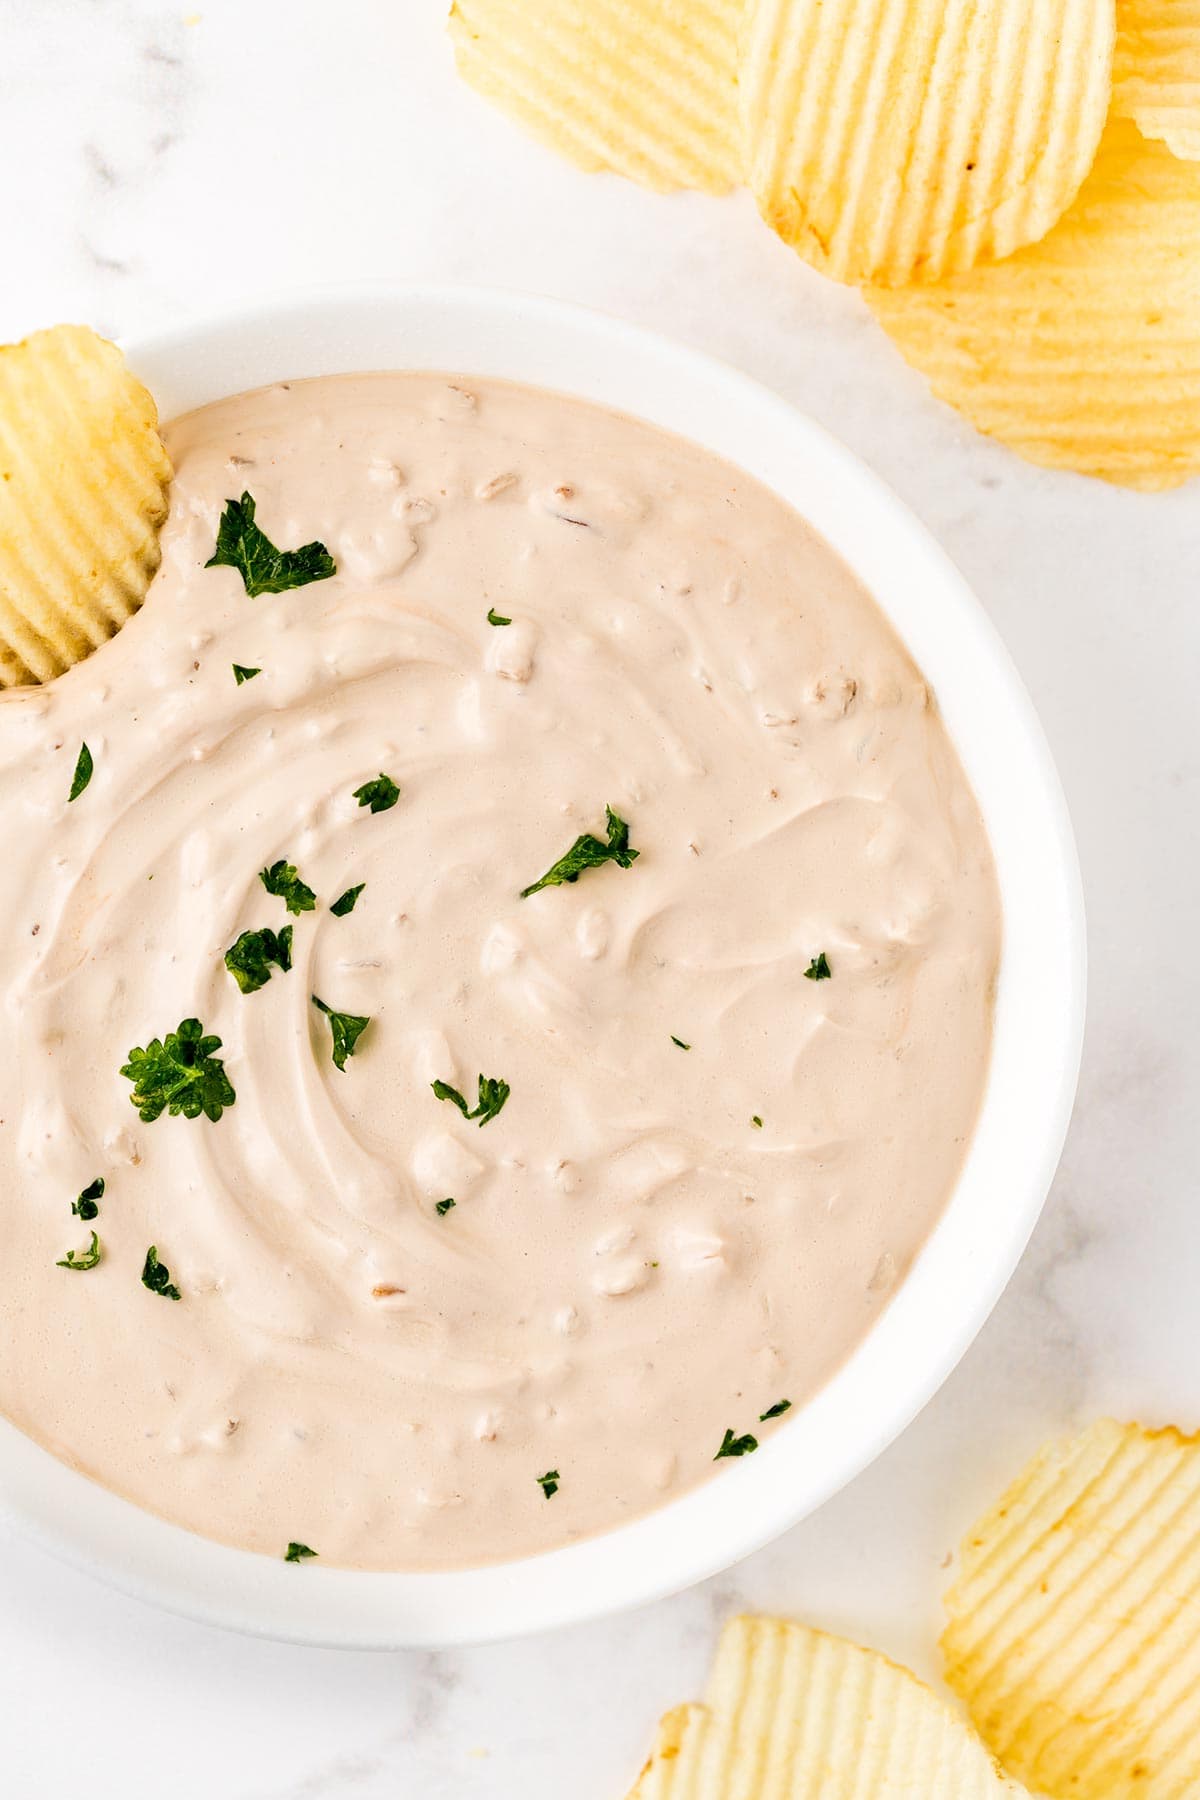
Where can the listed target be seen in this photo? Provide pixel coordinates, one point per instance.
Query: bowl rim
(969, 1257)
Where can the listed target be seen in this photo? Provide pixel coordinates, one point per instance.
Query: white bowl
(959, 1274)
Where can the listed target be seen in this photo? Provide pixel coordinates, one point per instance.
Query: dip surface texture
(652, 1241)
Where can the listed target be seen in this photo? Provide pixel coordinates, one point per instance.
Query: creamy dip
(714, 1162)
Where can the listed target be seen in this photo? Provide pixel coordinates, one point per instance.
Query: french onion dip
(519, 957)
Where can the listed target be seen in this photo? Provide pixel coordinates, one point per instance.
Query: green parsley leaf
(243, 546)
(251, 958)
(818, 969)
(157, 1277)
(773, 1412)
(443, 1207)
(735, 1446)
(283, 880)
(346, 1028)
(83, 773)
(587, 852)
(345, 903)
(85, 1207)
(179, 1076)
(81, 1259)
(495, 618)
(242, 673)
(680, 1042)
(380, 795)
(756, 1122)
(492, 1095)
(548, 1482)
(298, 1552)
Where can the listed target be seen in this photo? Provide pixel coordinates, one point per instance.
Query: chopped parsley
(818, 969)
(345, 903)
(735, 1446)
(179, 1076)
(298, 1553)
(83, 773)
(492, 1095)
(548, 1482)
(380, 795)
(587, 852)
(756, 1122)
(680, 1042)
(443, 1207)
(85, 1207)
(251, 959)
(244, 546)
(773, 1412)
(242, 673)
(283, 880)
(346, 1028)
(495, 618)
(157, 1277)
(81, 1259)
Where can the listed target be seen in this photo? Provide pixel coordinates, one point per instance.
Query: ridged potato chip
(654, 1782)
(83, 492)
(1083, 351)
(792, 1714)
(1156, 71)
(645, 88)
(1074, 1632)
(894, 141)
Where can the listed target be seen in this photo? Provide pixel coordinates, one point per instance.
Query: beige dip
(634, 1263)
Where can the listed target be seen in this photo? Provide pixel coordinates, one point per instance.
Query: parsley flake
(180, 1075)
(548, 1482)
(346, 1028)
(756, 1122)
(251, 958)
(81, 1259)
(83, 773)
(443, 1207)
(345, 903)
(587, 852)
(298, 1552)
(735, 1446)
(85, 1207)
(283, 880)
(495, 618)
(244, 546)
(492, 1095)
(242, 673)
(157, 1277)
(380, 795)
(818, 969)
(773, 1412)
(680, 1042)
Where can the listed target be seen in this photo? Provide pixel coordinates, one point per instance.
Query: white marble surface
(154, 161)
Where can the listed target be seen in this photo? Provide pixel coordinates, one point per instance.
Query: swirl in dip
(742, 1066)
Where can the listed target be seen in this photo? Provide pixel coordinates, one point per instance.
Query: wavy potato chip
(1081, 352)
(83, 492)
(1074, 1632)
(893, 141)
(793, 1714)
(644, 88)
(1156, 71)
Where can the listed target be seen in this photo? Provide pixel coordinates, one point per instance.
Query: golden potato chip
(792, 1714)
(1156, 71)
(645, 88)
(1074, 1632)
(1083, 351)
(894, 141)
(83, 492)
(654, 1782)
